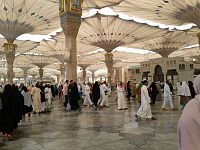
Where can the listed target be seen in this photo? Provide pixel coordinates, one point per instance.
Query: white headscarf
(184, 90)
(197, 84)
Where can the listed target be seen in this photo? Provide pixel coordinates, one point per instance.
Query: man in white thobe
(87, 98)
(167, 96)
(104, 95)
(145, 108)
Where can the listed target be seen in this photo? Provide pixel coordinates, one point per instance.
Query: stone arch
(158, 74)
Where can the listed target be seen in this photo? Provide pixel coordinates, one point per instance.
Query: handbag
(68, 107)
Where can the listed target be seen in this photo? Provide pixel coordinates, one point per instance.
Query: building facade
(162, 69)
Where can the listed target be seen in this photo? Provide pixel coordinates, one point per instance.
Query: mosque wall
(162, 69)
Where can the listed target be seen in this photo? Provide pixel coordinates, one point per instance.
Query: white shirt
(167, 91)
(48, 93)
(145, 95)
(79, 88)
(184, 89)
(65, 89)
(103, 89)
(87, 89)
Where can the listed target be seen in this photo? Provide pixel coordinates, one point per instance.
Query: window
(137, 70)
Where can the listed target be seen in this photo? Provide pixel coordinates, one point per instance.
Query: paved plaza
(105, 129)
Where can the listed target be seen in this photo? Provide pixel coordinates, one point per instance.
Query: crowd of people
(92, 95)
(17, 101)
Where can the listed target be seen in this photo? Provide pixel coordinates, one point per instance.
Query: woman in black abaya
(11, 111)
(74, 96)
(96, 94)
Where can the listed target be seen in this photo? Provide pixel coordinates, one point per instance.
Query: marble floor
(105, 129)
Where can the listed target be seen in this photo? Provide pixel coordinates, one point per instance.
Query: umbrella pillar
(10, 49)
(70, 16)
(109, 65)
(41, 72)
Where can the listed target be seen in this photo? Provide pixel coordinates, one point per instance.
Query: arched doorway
(158, 75)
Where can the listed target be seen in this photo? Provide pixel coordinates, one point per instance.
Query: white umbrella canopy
(93, 68)
(51, 72)
(22, 46)
(82, 61)
(168, 43)
(18, 17)
(40, 61)
(110, 32)
(52, 48)
(55, 66)
(48, 72)
(118, 56)
(23, 65)
(81, 48)
(187, 52)
(170, 12)
(80, 74)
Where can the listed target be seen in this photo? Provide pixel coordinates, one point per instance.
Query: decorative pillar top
(84, 66)
(70, 6)
(70, 11)
(9, 48)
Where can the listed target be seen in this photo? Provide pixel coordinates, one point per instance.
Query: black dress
(96, 94)
(192, 91)
(42, 94)
(11, 112)
(153, 92)
(73, 97)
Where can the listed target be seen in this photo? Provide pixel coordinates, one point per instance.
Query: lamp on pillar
(109, 64)
(70, 14)
(10, 49)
